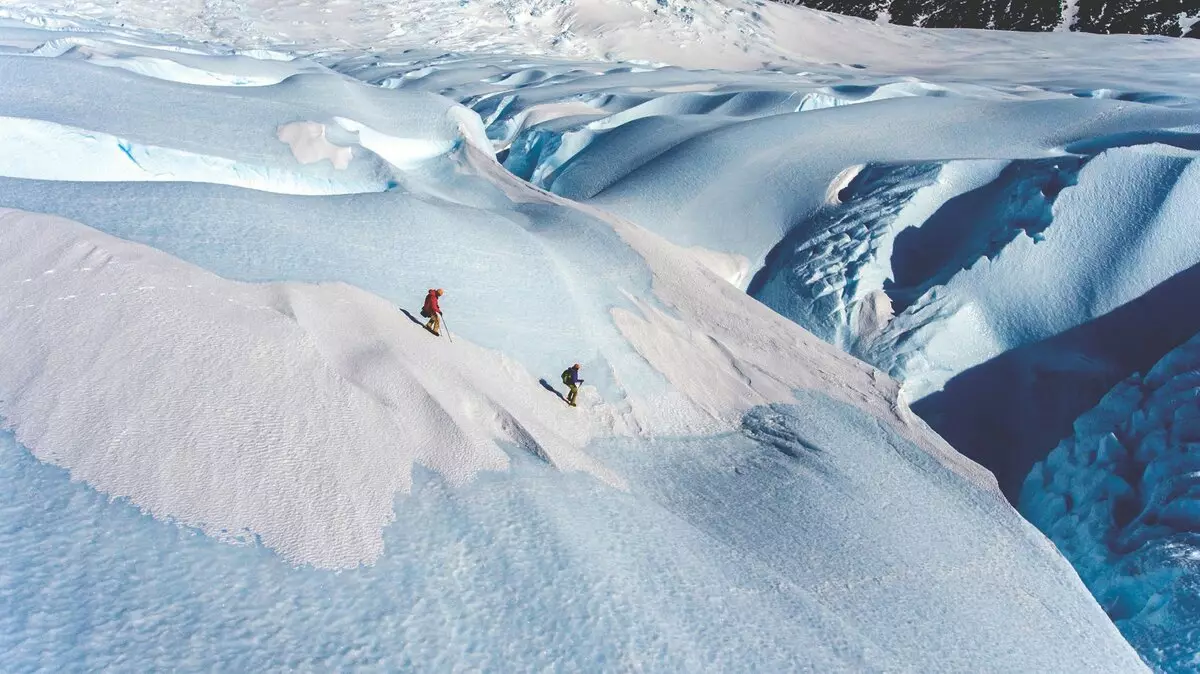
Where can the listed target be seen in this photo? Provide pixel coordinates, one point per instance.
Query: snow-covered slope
(1121, 499)
(1009, 250)
(204, 274)
(952, 232)
(1024, 243)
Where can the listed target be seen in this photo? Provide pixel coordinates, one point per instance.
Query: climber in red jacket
(432, 311)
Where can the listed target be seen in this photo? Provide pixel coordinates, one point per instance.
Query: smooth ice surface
(1121, 498)
(221, 353)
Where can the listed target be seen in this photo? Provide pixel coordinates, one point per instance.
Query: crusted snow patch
(309, 145)
(286, 413)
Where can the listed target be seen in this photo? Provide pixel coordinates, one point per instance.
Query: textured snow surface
(667, 345)
(221, 354)
(1121, 498)
(741, 552)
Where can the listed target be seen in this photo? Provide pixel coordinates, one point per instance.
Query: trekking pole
(447, 329)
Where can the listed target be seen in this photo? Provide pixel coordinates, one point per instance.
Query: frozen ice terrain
(969, 238)
(230, 446)
(1121, 498)
(1012, 260)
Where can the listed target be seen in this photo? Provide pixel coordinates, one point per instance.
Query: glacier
(1119, 497)
(228, 446)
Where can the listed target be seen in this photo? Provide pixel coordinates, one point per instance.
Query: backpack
(425, 313)
(566, 377)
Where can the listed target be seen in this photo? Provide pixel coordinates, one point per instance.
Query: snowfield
(230, 444)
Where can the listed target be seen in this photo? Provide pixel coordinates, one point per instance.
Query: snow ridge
(285, 429)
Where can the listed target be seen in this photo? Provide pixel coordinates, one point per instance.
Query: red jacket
(431, 303)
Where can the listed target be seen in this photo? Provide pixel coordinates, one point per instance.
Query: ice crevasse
(1121, 498)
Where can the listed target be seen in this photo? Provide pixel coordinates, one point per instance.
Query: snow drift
(263, 412)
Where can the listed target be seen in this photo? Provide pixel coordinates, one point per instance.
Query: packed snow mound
(371, 139)
(269, 411)
(1121, 498)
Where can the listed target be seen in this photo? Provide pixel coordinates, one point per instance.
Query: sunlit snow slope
(1008, 250)
(219, 398)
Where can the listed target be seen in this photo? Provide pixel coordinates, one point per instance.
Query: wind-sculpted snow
(53, 129)
(1008, 312)
(740, 552)
(264, 412)
(1007, 253)
(1121, 498)
(689, 154)
(853, 221)
(235, 361)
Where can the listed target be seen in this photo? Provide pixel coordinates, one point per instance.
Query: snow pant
(435, 323)
(572, 393)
